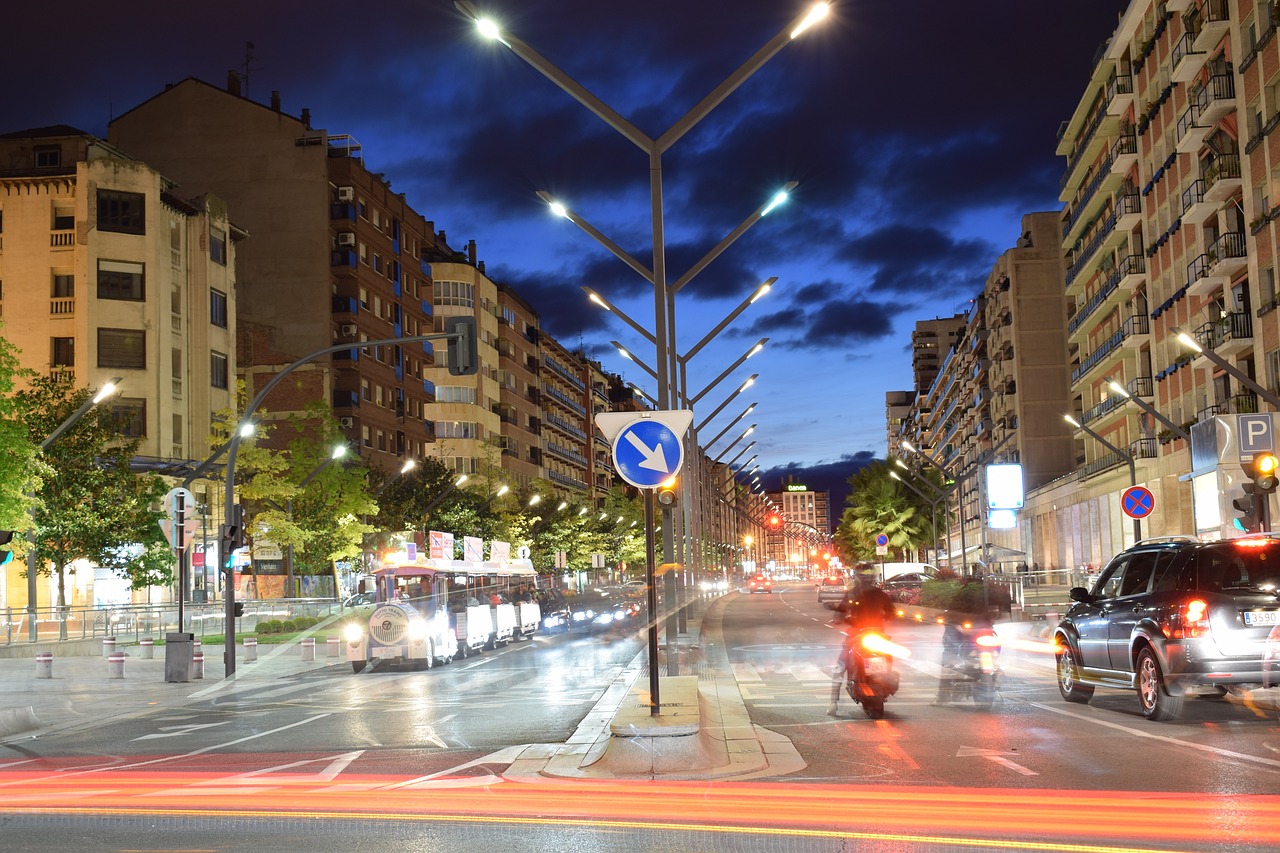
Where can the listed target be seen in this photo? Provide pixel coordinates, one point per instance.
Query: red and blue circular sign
(882, 540)
(1137, 502)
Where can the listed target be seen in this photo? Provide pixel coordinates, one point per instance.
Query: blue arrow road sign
(647, 453)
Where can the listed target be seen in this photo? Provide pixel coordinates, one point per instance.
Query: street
(390, 749)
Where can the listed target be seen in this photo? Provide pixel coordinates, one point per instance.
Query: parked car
(1173, 617)
(910, 580)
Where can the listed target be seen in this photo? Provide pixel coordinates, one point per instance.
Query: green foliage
(269, 626)
(90, 505)
(18, 468)
(288, 626)
(878, 503)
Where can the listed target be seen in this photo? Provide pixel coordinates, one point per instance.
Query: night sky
(919, 132)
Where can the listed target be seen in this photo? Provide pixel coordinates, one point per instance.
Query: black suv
(1172, 617)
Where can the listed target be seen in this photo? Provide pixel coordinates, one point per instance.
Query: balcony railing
(1097, 466)
(1235, 326)
(1095, 358)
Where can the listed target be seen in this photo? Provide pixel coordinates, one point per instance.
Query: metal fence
(130, 623)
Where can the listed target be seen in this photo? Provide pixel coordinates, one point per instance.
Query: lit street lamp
(33, 564)
(1128, 457)
(1124, 392)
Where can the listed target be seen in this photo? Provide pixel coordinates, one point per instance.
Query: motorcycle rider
(865, 608)
(958, 632)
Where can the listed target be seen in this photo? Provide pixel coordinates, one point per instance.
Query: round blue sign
(882, 540)
(647, 453)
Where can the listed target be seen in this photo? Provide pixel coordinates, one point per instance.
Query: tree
(19, 468)
(90, 506)
(878, 504)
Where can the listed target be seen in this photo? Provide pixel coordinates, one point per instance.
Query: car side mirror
(1079, 593)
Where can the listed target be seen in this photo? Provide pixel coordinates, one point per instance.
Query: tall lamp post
(33, 564)
(964, 557)
(663, 326)
(1128, 457)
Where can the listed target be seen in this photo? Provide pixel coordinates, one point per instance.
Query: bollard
(148, 648)
(115, 665)
(309, 649)
(108, 646)
(44, 664)
(197, 665)
(334, 645)
(250, 648)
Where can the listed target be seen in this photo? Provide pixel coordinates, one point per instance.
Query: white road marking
(337, 764)
(997, 756)
(179, 731)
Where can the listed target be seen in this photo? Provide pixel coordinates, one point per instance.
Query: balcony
(1216, 99)
(1244, 403)
(1120, 91)
(1107, 405)
(1191, 131)
(1097, 466)
(62, 307)
(1098, 356)
(1128, 211)
(1227, 336)
(1144, 448)
(1195, 208)
(1141, 386)
(1136, 330)
(1133, 272)
(1186, 61)
(62, 239)
(1227, 256)
(1215, 21)
(1222, 179)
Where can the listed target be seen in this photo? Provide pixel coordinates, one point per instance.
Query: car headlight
(604, 619)
(552, 622)
(353, 632)
(418, 629)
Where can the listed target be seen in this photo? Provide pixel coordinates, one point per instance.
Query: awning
(994, 554)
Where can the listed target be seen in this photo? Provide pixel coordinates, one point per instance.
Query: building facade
(106, 272)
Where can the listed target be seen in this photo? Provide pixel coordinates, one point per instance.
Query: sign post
(648, 450)
(179, 530)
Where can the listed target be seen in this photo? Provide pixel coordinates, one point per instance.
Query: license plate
(876, 665)
(387, 652)
(1254, 618)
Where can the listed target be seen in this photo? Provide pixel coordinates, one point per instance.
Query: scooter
(971, 665)
(869, 674)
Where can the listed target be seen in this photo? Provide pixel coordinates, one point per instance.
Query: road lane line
(1226, 753)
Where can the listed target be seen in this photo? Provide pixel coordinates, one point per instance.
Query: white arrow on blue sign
(647, 452)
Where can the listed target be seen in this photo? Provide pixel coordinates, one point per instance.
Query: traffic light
(667, 494)
(775, 520)
(1263, 471)
(464, 357)
(6, 536)
(1248, 518)
(233, 533)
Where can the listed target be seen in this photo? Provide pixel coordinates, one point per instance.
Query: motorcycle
(869, 674)
(971, 665)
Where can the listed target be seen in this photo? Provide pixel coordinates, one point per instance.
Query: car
(358, 599)
(910, 580)
(1172, 617)
(760, 583)
(590, 611)
(831, 590)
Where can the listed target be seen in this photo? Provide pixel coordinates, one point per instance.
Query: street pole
(652, 593)
(1128, 457)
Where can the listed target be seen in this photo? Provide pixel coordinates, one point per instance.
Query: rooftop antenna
(248, 65)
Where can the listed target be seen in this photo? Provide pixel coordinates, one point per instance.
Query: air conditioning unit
(348, 330)
(347, 423)
(346, 194)
(347, 238)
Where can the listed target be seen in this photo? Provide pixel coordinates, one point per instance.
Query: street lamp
(1124, 392)
(1128, 457)
(663, 295)
(33, 564)
(1243, 378)
(748, 410)
(409, 465)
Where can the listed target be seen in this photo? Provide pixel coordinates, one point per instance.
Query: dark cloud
(830, 477)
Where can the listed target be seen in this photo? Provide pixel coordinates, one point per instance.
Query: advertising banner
(441, 545)
(473, 549)
(499, 552)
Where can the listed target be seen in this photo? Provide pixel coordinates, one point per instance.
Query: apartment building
(899, 406)
(519, 369)
(106, 271)
(343, 258)
(566, 401)
(930, 343)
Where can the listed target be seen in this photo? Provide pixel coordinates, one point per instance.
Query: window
(122, 348)
(1267, 284)
(130, 416)
(1273, 369)
(218, 246)
(217, 369)
(64, 286)
(121, 212)
(121, 280)
(64, 218)
(218, 308)
(63, 352)
(48, 156)
(457, 429)
(455, 394)
(453, 293)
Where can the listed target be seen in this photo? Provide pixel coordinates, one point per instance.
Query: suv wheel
(1068, 685)
(1156, 702)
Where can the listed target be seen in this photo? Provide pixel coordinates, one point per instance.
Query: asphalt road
(331, 760)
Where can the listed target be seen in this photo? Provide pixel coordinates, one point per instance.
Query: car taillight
(1191, 621)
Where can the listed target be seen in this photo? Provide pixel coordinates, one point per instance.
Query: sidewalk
(82, 693)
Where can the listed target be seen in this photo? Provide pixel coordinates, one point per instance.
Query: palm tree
(879, 504)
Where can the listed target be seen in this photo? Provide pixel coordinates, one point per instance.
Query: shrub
(270, 626)
(288, 626)
(304, 622)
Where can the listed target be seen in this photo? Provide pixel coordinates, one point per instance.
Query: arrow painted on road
(996, 755)
(179, 731)
(654, 458)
